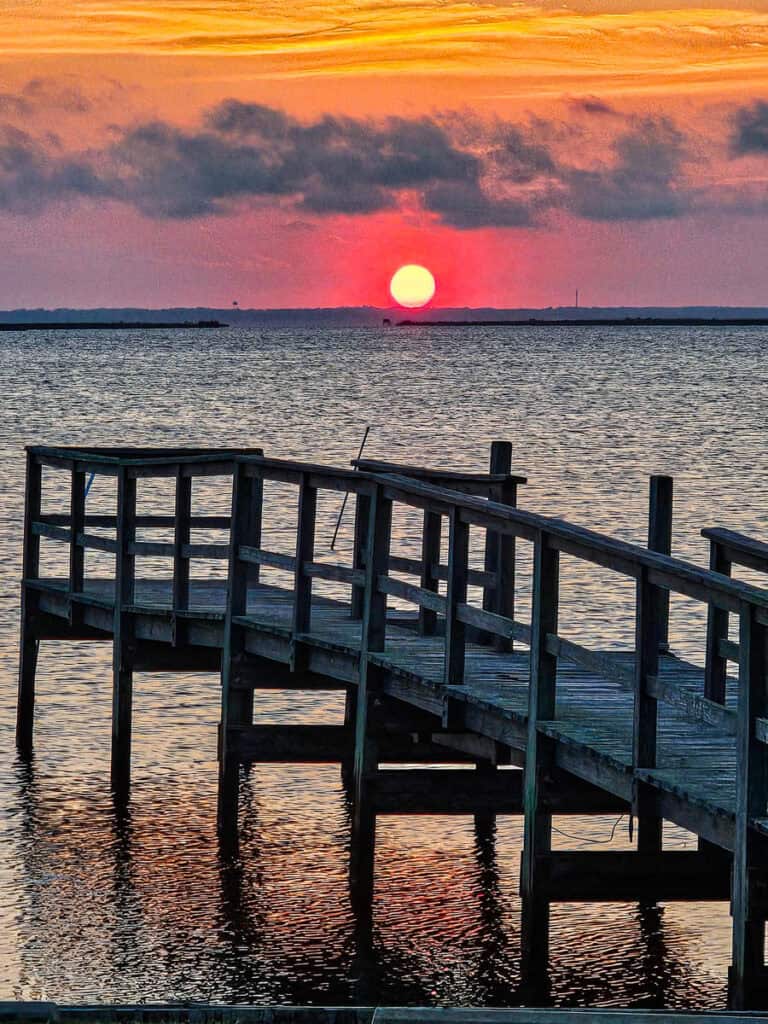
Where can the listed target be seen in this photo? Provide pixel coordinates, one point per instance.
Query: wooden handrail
(738, 548)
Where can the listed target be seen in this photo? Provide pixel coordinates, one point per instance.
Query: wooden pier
(550, 725)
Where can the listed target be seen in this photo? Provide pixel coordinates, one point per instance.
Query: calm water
(93, 909)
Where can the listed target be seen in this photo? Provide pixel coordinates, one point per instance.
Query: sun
(412, 286)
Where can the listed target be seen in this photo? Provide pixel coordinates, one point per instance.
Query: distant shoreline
(629, 321)
(105, 325)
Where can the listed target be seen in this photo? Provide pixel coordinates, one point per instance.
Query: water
(94, 909)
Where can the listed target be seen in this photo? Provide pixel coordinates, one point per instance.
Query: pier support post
(123, 641)
(538, 817)
(363, 839)
(716, 666)
(660, 539)
(650, 617)
(362, 517)
(500, 548)
(747, 979)
(28, 643)
(236, 703)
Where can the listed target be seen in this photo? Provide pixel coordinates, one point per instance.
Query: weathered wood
(362, 515)
(295, 744)
(751, 788)
(538, 760)
(430, 562)
(740, 549)
(499, 597)
(447, 791)
(425, 599)
(123, 639)
(455, 629)
(236, 704)
(28, 641)
(489, 622)
(181, 539)
(650, 617)
(660, 539)
(716, 664)
(617, 876)
(77, 525)
(302, 581)
(362, 852)
(274, 559)
(333, 571)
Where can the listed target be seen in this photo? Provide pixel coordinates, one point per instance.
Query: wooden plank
(305, 549)
(77, 525)
(593, 661)
(431, 533)
(538, 761)
(28, 641)
(660, 539)
(447, 791)
(455, 629)
(96, 543)
(214, 551)
(748, 944)
(122, 641)
(739, 549)
(650, 616)
(362, 516)
(153, 549)
(336, 572)
(182, 528)
(409, 592)
(52, 532)
(289, 743)
(274, 559)
(489, 622)
(236, 704)
(716, 663)
(499, 597)
(623, 876)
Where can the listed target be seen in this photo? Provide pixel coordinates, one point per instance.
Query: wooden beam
(624, 876)
(122, 636)
(294, 744)
(29, 640)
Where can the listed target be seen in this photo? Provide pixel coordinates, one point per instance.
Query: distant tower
(577, 298)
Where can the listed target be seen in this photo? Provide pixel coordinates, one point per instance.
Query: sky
(186, 152)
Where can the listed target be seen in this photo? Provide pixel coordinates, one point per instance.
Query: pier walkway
(549, 725)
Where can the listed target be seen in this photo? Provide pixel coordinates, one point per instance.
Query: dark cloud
(593, 106)
(468, 173)
(750, 130)
(645, 181)
(31, 177)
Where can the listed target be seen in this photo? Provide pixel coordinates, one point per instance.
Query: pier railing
(376, 578)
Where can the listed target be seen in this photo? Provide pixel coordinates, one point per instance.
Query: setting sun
(412, 286)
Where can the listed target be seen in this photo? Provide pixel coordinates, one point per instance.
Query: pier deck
(550, 727)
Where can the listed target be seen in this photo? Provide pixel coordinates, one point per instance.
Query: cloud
(466, 172)
(645, 181)
(592, 105)
(750, 130)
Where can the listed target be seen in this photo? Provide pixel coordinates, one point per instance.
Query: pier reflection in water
(142, 901)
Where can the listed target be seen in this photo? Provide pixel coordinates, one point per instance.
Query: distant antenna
(577, 298)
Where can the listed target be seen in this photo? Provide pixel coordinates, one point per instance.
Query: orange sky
(89, 69)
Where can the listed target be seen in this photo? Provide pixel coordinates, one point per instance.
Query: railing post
(362, 517)
(650, 611)
(500, 548)
(538, 817)
(660, 539)
(747, 975)
(76, 527)
(716, 666)
(255, 519)
(305, 550)
(181, 538)
(430, 559)
(236, 703)
(29, 643)
(123, 641)
(373, 638)
(458, 567)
